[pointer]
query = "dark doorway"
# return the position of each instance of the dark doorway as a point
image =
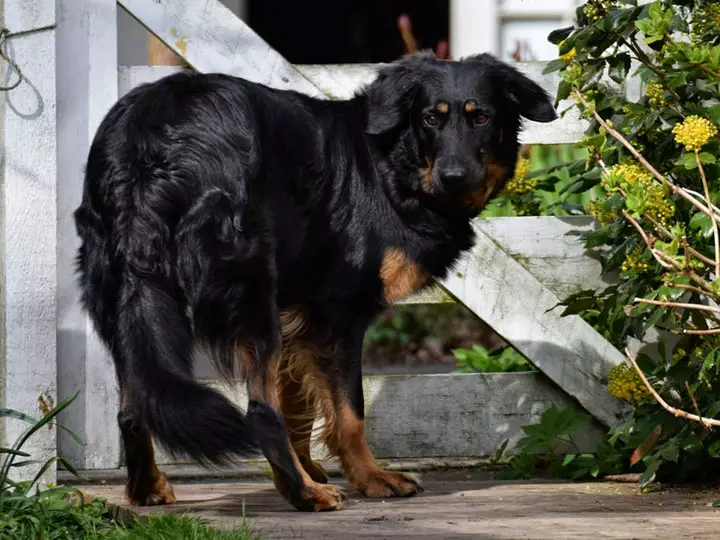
(346, 31)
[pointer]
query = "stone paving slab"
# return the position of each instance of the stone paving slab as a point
(457, 505)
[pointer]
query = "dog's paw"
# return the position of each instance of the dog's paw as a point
(320, 498)
(389, 484)
(156, 491)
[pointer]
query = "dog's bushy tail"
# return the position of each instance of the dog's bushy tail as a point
(186, 417)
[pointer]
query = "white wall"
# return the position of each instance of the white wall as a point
(495, 26)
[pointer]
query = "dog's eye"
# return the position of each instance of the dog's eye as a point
(431, 120)
(481, 119)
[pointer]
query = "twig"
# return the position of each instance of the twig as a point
(672, 410)
(712, 214)
(701, 307)
(690, 331)
(648, 242)
(694, 402)
(686, 287)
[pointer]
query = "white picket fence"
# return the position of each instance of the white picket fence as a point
(519, 269)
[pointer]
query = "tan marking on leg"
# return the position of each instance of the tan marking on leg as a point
(146, 486)
(400, 276)
(299, 411)
(363, 472)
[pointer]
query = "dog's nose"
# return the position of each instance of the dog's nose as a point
(454, 175)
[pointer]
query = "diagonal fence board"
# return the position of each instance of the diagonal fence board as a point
(519, 307)
(212, 39)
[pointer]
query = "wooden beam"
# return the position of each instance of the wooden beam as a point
(212, 39)
(516, 305)
(87, 88)
(448, 415)
(28, 241)
(342, 81)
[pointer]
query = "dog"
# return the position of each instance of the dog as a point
(267, 229)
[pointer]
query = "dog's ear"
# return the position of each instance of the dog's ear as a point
(531, 100)
(390, 96)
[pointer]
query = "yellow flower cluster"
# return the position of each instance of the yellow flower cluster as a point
(594, 10)
(655, 93)
(634, 261)
(660, 207)
(518, 184)
(598, 211)
(530, 208)
(694, 132)
(705, 20)
(568, 56)
(625, 175)
(624, 383)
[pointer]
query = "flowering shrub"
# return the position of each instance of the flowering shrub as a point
(652, 180)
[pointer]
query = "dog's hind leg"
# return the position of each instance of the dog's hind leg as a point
(298, 402)
(226, 263)
(146, 484)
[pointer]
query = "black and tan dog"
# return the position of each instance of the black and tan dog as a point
(269, 229)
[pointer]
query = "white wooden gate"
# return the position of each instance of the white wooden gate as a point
(509, 279)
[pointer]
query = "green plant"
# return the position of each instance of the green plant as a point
(542, 184)
(184, 527)
(480, 360)
(62, 513)
(653, 181)
(543, 444)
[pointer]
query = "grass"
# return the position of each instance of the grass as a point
(28, 512)
(184, 527)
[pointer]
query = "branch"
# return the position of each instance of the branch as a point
(623, 140)
(707, 422)
(648, 242)
(690, 331)
(712, 214)
(701, 307)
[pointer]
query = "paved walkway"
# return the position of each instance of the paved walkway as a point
(458, 505)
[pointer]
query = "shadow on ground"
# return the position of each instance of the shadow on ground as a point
(458, 505)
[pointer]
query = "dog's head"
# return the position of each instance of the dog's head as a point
(452, 126)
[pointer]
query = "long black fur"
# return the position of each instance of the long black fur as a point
(211, 203)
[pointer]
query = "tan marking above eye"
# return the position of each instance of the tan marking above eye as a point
(443, 107)
(470, 106)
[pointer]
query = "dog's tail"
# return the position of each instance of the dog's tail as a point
(186, 417)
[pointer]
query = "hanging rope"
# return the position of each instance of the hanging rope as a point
(5, 34)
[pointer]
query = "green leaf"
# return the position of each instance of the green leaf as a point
(714, 113)
(702, 221)
(561, 34)
(13, 452)
(619, 67)
(688, 161)
(554, 65)
(648, 477)
(569, 458)
(671, 452)
(706, 157)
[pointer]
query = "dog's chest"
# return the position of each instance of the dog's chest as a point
(400, 276)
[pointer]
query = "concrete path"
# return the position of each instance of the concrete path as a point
(458, 505)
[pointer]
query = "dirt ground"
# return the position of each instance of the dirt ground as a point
(457, 505)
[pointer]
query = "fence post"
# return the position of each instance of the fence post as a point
(27, 224)
(87, 88)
